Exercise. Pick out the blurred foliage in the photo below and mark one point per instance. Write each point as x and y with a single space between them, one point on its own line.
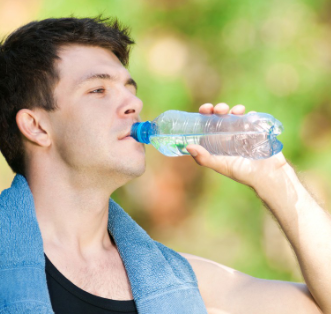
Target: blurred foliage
271 56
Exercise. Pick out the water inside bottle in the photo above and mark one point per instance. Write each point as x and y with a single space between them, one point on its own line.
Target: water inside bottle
254 145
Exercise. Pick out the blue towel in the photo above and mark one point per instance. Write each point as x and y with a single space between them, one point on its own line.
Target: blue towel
162 281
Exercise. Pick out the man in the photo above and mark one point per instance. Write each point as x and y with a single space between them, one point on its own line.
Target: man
67 104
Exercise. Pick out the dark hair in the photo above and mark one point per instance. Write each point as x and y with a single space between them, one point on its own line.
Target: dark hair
28 74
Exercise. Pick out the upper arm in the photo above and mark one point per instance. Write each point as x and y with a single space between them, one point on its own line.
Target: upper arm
225 290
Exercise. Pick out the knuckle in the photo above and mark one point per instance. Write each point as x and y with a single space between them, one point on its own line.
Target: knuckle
198 161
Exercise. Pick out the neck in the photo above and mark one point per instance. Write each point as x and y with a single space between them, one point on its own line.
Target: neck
72 213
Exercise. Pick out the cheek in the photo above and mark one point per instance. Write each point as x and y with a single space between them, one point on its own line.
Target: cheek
69 141
81 142
82 135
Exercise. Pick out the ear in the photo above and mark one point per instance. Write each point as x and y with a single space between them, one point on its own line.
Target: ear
31 124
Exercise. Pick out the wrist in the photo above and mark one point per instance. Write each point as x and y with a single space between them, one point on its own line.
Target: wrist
278 182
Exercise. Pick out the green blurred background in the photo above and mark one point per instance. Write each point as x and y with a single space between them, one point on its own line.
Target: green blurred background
272 56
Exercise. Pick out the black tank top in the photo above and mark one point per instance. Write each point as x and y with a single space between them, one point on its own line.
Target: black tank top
66 298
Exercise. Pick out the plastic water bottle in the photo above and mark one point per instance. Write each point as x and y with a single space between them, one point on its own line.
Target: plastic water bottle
252 135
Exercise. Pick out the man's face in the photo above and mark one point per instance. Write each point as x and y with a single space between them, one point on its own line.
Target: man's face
97 103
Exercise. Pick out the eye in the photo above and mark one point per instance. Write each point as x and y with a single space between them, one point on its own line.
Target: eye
132 89
98 91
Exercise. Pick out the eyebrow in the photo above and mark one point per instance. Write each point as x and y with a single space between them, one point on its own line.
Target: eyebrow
104 76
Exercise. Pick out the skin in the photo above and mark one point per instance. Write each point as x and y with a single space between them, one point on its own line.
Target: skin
76 159
305 224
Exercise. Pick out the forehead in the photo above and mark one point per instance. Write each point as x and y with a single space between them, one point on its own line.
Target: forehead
76 61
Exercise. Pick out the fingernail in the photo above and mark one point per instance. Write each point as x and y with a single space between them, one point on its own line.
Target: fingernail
193 153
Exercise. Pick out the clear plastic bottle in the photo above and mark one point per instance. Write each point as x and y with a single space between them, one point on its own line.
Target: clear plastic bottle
252 135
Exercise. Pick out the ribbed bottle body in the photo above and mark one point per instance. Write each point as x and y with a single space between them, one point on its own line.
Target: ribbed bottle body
252 135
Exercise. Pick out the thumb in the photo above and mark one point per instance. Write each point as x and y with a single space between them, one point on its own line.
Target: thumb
221 164
201 156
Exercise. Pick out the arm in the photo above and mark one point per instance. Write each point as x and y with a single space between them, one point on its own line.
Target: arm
228 291
306 225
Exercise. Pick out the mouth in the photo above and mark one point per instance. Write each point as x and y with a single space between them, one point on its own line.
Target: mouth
127 133
126 136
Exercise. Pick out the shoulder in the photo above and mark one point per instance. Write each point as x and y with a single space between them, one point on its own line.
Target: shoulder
225 290
217 282
204 268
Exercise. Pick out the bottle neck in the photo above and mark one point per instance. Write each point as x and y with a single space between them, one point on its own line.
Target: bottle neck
141 131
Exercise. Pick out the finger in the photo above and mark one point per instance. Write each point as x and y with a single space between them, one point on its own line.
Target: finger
251 112
221 164
221 108
238 109
206 108
201 156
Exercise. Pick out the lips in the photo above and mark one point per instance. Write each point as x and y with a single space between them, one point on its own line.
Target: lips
125 135
127 132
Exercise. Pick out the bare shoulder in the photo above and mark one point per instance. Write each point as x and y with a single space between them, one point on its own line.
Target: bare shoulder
203 265
218 284
226 290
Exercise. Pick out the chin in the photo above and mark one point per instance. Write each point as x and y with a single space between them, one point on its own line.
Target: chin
132 171
138 172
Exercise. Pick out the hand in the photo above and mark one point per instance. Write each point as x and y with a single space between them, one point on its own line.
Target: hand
243 170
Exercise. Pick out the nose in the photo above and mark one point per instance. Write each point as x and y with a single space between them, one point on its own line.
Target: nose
132 107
